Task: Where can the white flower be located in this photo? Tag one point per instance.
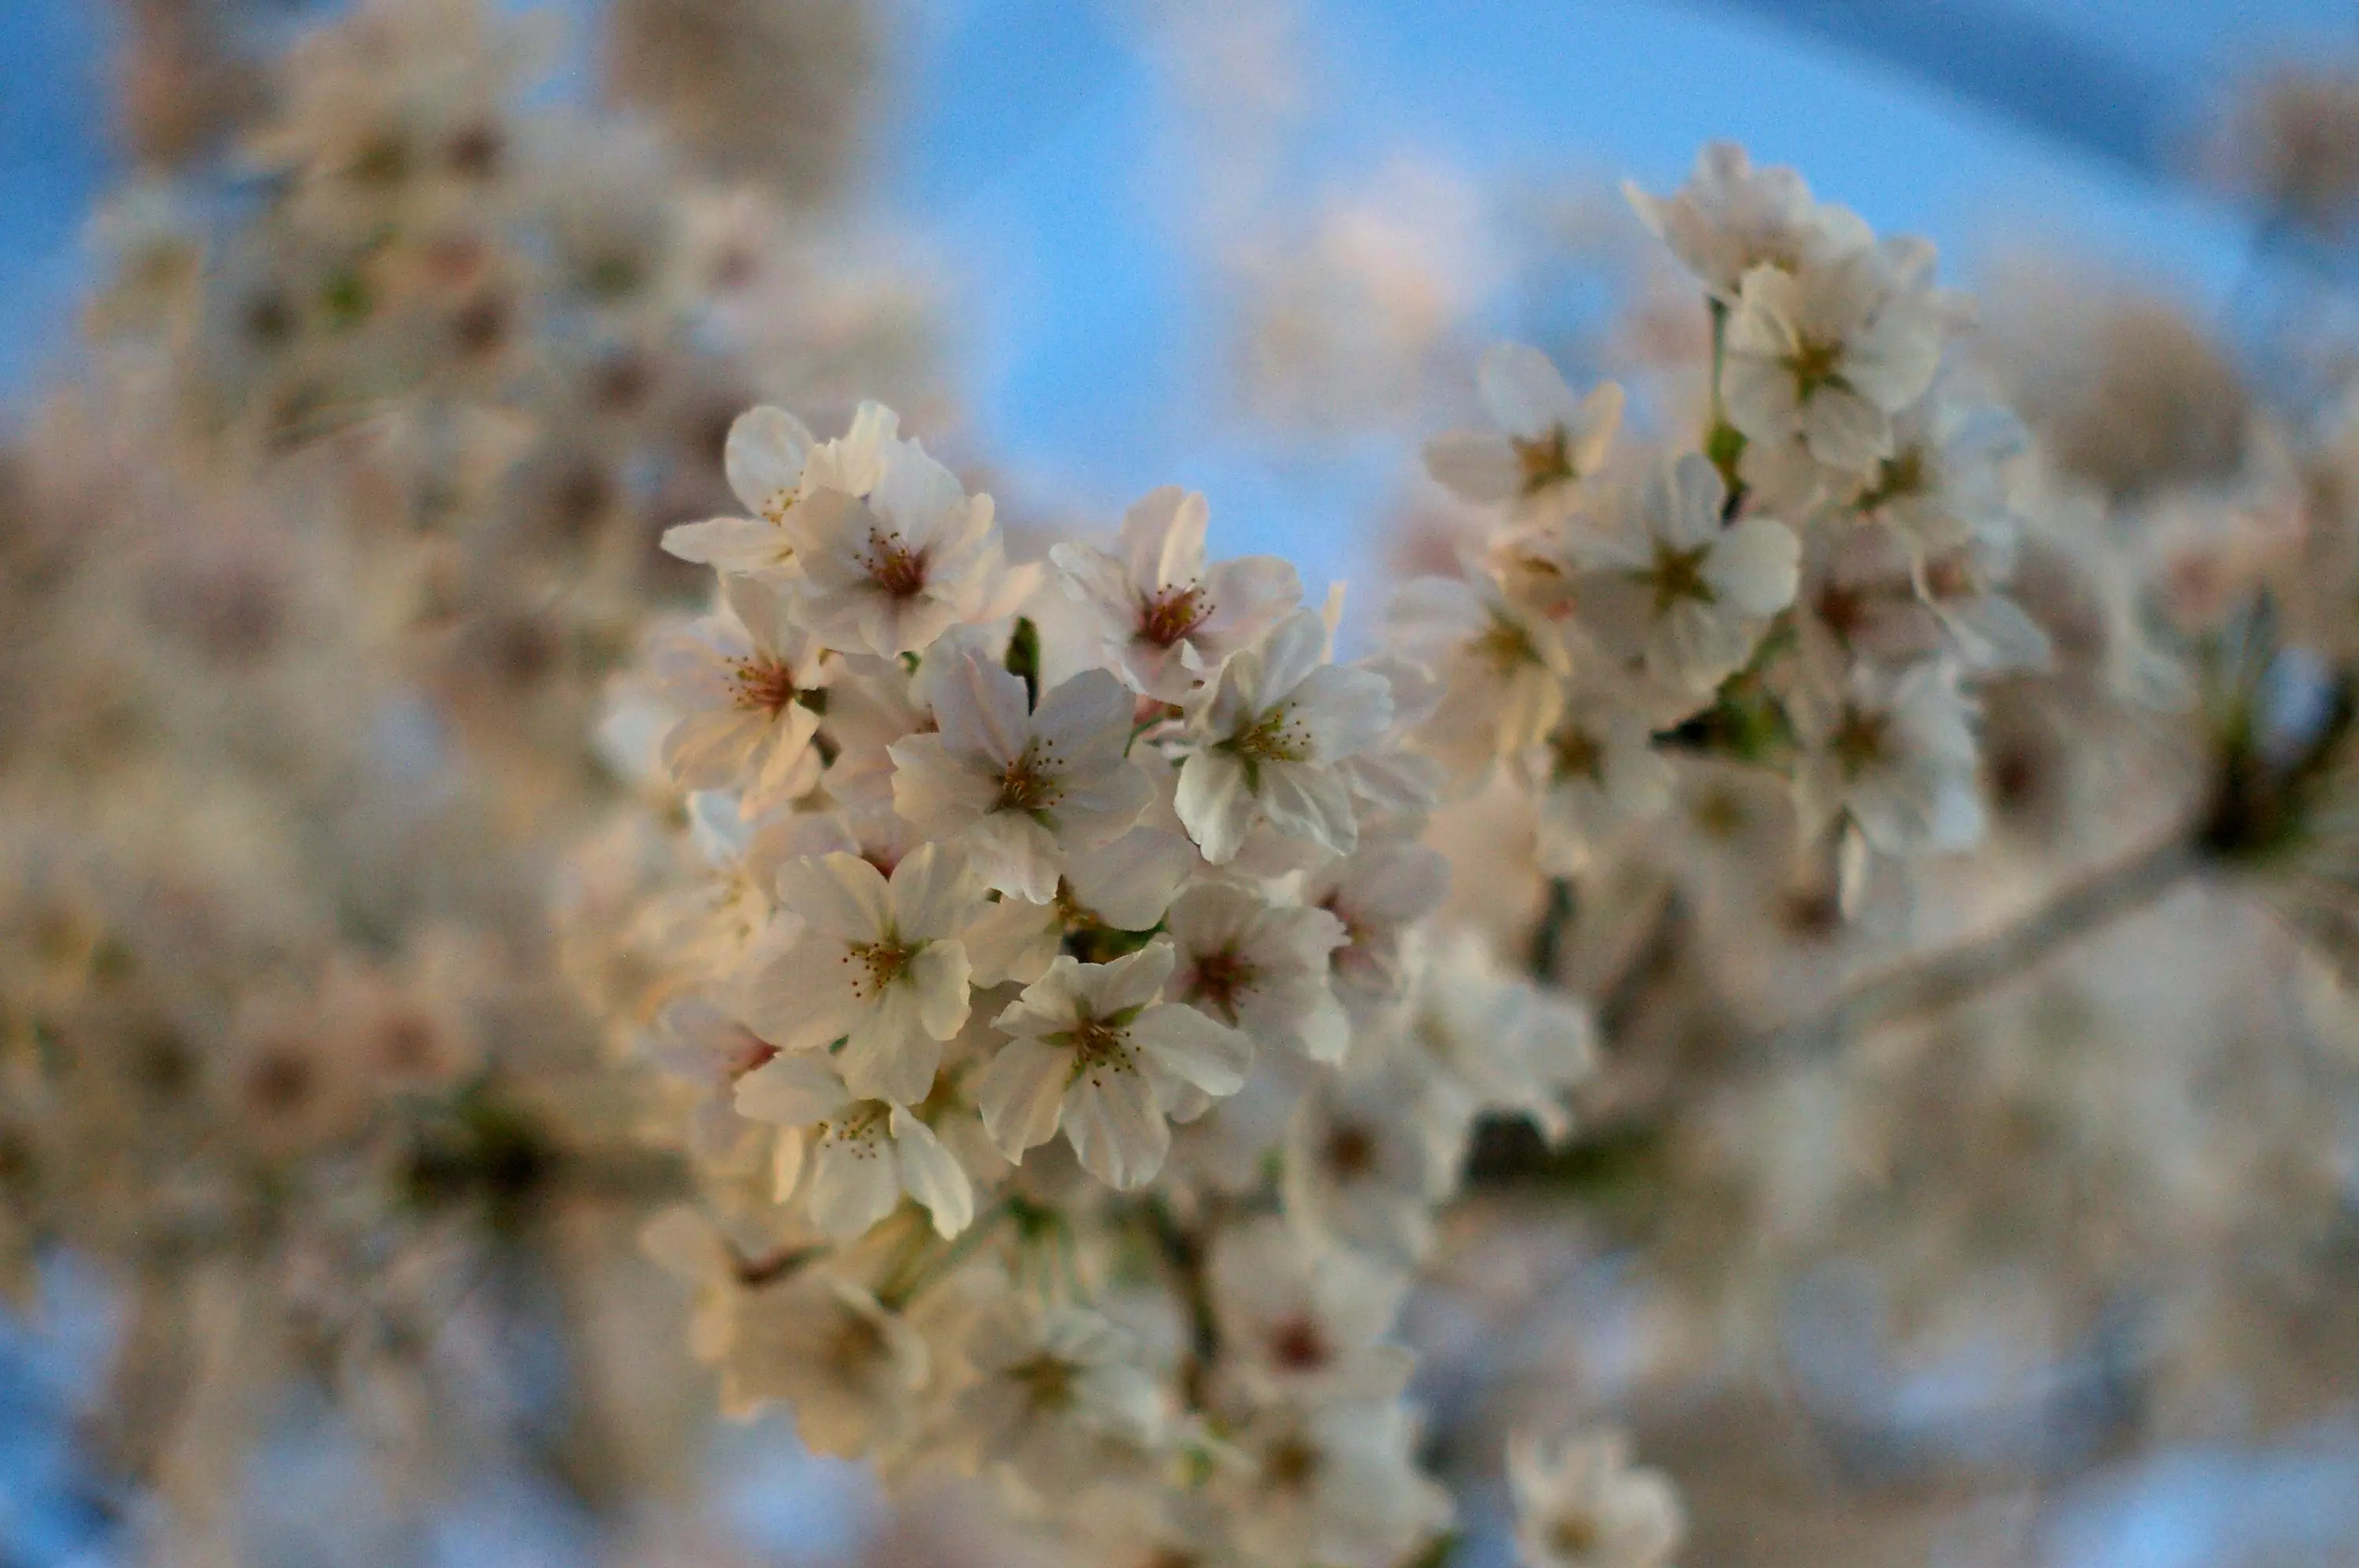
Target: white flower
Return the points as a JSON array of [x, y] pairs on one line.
[[1730, 218], [1267, 740], [852, 1158], [772, 462], [1333, 1483], [1258, 967], [1096, 1051], [1166, 620], [1827, 355], [1019, 791], [1673, 585], [1057, 1398], [850, 1369], [696, 1042], [1945, 483], [1584, 1504], [879, 966], [1511, 1047], [1369, 1154], [1502, 670], [738, 679], [1122, 886], [1303, 1317], [889, 574], [1895, 751], [1546, 440], [1379, 894], [1595, 771]]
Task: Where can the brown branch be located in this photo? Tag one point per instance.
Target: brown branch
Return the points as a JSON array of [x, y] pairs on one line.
[[1941, 981]]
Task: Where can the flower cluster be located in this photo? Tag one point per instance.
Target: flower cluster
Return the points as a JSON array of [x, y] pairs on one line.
[[1058, 1026], [1810, 584], [312, 573]]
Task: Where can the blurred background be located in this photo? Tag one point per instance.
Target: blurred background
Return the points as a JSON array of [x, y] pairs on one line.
[[1252, 247]]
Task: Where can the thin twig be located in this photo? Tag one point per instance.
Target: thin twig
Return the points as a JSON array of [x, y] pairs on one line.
[[1944, 978]]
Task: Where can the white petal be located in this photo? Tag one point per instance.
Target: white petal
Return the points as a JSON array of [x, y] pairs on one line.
[[1189, 1046], [791, 1089], [837, 895], [1117, 1128], [1020, 1092], [1754, 566], [764, 459], [931, 1175]]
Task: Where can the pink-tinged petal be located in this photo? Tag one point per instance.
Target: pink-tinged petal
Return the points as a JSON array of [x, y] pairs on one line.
[[709, 749], [983, 707], [938, 974], [1116, 1128], [1084, 720], [1162, 537], [888, 1054], [1013, 855], [1684, 501], [1215, 804], [735, 542], [1523, 392], [931, 893], [1754, 567], [931, 1173], [1048, 1005], [1310, 804], [1845, 431], [1132, 980], [792, 1090], [848, 1188], [1190, 1046], [1014, 940], [764, 459], [1295, 646], [837, 895], [1475, 466], [1021, 1092]]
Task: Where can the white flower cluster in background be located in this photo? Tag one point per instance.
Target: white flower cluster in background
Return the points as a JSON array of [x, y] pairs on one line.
[[1812, 579], [1060, 1034]]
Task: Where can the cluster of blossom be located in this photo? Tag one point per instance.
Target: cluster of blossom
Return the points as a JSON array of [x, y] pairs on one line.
[[1059, 1024], [1810, 585], [312, 575], [2143, 615]]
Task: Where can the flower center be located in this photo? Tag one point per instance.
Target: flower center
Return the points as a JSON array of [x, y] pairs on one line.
[[856, 1344], [1220, 979], [1575, 1536], [1504, 646], [764, 686], [1098, 1048], [1578, 754], [1544, 461], [1679, 574], [1171, 613], [1815, 365], [1351, 1151], [1027, 785], [1859, 741], [876, 965], [893, 566], [1298, 1346], [1276, 736], [1289, 1464], [1047, 1382]]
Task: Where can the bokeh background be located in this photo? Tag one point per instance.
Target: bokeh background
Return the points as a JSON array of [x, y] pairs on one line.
[[1115, 208]]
